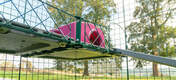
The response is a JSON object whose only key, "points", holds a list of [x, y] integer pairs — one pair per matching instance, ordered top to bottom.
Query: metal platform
{"points": [[17, 38]]}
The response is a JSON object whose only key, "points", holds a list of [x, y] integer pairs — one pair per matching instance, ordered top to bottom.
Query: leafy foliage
{"points": [[97, 11], [150, 32]]}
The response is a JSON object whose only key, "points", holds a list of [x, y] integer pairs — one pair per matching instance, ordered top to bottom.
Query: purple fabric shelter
{"points": [[89, 33]]}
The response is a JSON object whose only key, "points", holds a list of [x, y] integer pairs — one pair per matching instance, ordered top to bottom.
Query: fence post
{"points": [[126, 46], [19, 75]]}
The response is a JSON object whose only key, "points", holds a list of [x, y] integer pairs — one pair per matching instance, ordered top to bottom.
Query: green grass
{"points": [[47, 76]]}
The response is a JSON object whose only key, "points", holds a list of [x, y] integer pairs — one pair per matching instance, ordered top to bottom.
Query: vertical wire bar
{"points": [[18, 6], [10, 11], [25, 11], [85, 26], [70, 29], [78, 30], [109, 39], [126, 46], [13, 67], [63, 67], [97, 67], [127, 67], [27, 68], [57, 68], [106, 68], [116, 68], [33, 69], [43, 69], [48, 69], [92, 69], [112, 69], [65, 70], [75, 70], [134, 70], [81, 71], [121, 71], [54, 72], [161, 72], [147, 73], [38, 74], [140, 74], [169, 74], [19, 75], [4, 76], [154, 77]]}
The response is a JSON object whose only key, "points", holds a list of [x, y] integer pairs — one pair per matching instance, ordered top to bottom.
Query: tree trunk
{"points": [[59, 65], [86, 67], [155, 67]]}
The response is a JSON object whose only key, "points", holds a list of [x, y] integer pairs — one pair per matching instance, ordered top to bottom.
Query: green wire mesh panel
{"points": [[26, 29], [48, 61], [26, 68], [138, 69]]}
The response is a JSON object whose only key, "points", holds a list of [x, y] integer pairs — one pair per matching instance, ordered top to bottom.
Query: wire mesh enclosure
{"points": [[39, 41], [20, 68]]}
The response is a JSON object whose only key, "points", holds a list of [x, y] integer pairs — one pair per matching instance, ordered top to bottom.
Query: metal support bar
{"points": [[78, 30], [140, 55], [19, 74]]}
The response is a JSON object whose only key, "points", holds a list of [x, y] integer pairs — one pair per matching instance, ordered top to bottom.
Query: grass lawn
{"points": [[47, 76]]}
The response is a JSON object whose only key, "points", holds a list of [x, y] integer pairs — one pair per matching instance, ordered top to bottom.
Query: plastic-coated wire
{"points": [[5, 2], [19, 13], [69, 13], [23, 14], [38, 16], [3, 17], [52, 18], [64, 21], [41, 22], [97, 30], [94, 35], [13, 67], [27, 68], [147, 73], [169, 74], [4, 76], [19, 77]]}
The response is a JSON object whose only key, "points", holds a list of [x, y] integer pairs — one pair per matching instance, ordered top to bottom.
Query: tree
{"points": [[97, 11], [150, 33], [26, 64], [59, 65], [86, 68]]}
